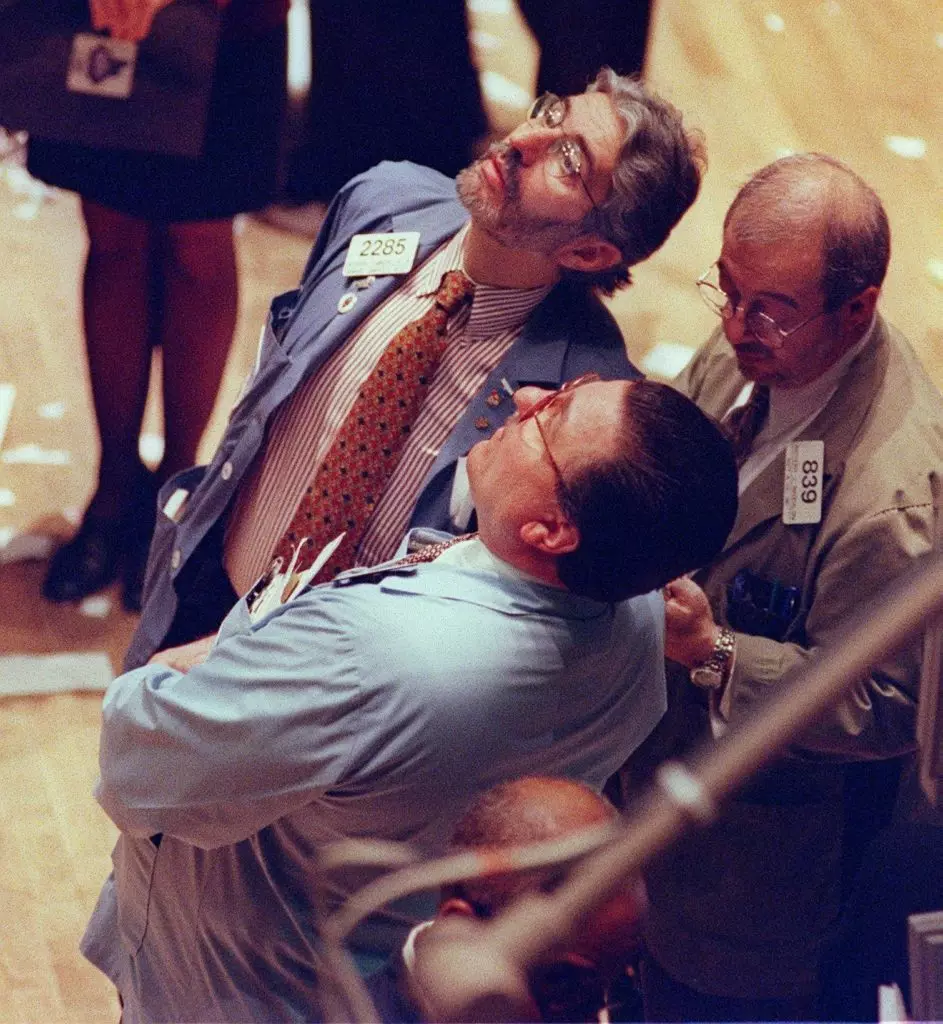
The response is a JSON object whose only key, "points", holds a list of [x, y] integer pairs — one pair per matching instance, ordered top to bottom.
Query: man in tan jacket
{"points": [[838, 428]]}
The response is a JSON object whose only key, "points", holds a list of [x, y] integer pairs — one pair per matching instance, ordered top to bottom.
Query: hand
{"points": [[125, 19], [690, 630], [187, 656]]}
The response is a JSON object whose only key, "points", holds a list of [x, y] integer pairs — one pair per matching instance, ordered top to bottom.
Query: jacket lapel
{"points": [[537, 357], [841, 420], [837, 425], [761, 501]]}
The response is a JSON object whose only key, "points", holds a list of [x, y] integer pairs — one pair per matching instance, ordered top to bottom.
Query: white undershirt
{"points": [[791, 410]]}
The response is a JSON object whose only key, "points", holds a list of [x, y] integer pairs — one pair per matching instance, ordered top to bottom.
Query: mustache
{"points": [[511, 161], [754, 348]]}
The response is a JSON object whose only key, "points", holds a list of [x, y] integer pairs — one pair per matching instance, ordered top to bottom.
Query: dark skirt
{"points": [[238, 170]]}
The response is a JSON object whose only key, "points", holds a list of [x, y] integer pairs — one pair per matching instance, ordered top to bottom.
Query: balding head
{"points": [[813, 196], [804, 253], [532, 809], [529, 810], [571, 984]]}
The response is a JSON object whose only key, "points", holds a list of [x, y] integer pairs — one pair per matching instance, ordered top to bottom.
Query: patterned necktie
{"points": [[744, 423], [356, 469], [430, 552], [426, 553]]}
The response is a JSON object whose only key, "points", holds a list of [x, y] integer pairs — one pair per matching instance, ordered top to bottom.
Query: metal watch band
{"points": [[712, 673]]}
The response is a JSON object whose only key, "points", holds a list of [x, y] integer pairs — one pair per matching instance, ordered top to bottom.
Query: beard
{"points": [[502, 216]]}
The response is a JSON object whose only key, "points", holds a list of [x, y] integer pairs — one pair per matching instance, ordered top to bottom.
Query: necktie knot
{"points": [[455, 289], [430, 552]]}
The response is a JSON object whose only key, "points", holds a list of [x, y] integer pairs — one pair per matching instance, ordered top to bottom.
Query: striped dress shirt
{"points": [[303, 429]]}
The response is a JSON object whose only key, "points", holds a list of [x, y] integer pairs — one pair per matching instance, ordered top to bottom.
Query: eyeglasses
{"points": [[565, 156], [761, 325], [542, 404]]}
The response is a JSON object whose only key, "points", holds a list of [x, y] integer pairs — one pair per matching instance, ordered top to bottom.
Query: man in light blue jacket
{"points": [[378, 704]]}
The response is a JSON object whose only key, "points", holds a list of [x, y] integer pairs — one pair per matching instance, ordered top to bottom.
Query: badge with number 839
{"points": [[802, 482]]}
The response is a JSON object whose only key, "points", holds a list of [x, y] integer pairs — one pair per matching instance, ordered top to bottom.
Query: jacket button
{"points": [[226, 471], [175, 560]]}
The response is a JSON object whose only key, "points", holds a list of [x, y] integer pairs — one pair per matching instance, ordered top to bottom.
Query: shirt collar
{"points": [[494, 310], [788, 407], [472, 554]]}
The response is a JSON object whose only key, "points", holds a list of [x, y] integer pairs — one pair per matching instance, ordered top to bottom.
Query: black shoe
{"points": [[136, 531], [86, 563]]}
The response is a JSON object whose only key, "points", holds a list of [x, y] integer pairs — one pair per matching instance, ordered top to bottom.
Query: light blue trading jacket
{"points": [[568, 334], [366, 708]]}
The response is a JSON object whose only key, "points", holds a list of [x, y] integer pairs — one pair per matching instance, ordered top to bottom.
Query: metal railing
{"points": [[480, 976]]}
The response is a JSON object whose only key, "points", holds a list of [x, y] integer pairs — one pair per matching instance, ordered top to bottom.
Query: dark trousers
{"points": [[573, 49], [901, 874]]}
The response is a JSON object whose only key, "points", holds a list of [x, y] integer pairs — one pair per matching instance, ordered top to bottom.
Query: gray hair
{"points": [[657, 178], [812, 190]]}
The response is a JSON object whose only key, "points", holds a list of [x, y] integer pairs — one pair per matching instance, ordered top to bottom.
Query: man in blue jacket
{"points": [[588, 186], [376, 705]]}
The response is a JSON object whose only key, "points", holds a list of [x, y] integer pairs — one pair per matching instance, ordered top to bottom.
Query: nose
{"points": [[530, 140], [735, 327], [526, 398]]}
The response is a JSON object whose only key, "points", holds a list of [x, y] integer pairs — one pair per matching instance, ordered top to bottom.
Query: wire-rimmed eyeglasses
{"points": [[566, 157], [761, 325], [532, 412]]}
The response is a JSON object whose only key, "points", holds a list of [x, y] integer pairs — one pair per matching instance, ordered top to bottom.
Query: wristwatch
{"points": [[711, 674]]}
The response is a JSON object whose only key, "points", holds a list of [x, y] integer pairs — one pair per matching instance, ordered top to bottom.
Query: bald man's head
{"points": [[817, 198], [527, 810], [571, 984]]}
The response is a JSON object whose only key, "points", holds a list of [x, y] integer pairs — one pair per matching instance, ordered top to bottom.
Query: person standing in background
{"points": [[572, 48], [375, 64], [161, 270]]}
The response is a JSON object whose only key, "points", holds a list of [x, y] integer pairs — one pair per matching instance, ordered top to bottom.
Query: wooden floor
{"points": [[855, 78]]}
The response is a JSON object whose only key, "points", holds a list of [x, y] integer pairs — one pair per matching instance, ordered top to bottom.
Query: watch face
{"points": [[709, 678]]}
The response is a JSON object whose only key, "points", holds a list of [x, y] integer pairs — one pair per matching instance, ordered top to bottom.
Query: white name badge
{"points": [[99, 66], [389, 253], [802, 482], [173, 509]]}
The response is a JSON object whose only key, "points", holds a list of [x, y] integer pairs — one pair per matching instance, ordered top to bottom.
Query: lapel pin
{"points": [[346, 302]]}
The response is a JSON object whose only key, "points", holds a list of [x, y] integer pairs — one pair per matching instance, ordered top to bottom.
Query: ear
{"points": [[587, 253], [859, 311], [553, 536], [455, 906]]}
